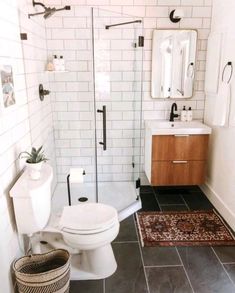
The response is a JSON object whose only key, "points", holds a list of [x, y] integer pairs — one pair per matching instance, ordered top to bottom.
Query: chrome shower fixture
{"points": [[48, 11]]}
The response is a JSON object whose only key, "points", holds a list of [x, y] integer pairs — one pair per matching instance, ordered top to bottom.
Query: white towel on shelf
{"points": [[188, 87], [222, 105]]}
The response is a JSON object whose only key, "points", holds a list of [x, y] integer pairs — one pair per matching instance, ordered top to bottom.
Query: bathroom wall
{"points": [[69, 34], [28, 123], [220, 187]]}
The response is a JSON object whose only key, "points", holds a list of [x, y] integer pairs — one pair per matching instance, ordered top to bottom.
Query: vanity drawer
{"points": [[179, 147], [177, 172]]}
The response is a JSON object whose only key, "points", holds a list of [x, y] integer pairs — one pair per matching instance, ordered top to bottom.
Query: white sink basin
{"points": [[163, 127]]}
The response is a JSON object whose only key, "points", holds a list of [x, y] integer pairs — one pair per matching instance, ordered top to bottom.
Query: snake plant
{"points": [[35, 156]]}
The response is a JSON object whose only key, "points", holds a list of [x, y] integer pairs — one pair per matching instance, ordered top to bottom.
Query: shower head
{"points": [[48, 11]]}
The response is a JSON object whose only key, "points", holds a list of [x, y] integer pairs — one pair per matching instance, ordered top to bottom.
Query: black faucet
{"points": [[173, 115]]}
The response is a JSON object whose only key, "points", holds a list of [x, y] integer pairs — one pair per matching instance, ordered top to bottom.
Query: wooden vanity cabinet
{"points": [[179, 159]]}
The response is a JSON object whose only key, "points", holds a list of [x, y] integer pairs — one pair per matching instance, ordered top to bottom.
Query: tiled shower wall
{"points": [[69, 35], [27, 124]]}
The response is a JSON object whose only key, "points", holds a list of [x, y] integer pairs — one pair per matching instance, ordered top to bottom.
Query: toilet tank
{"points": [[32, 201]]}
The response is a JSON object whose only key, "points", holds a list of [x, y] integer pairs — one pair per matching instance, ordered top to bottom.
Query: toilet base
{"points": [[92, 264]]}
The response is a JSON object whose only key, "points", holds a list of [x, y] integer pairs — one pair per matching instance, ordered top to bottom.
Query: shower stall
{"points": [[97, 109]]}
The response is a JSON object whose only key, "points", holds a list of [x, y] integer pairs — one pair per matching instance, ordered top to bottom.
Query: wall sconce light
{"points": [[176, 15]]}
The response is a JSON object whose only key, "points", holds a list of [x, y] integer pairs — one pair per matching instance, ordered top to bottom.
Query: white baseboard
{"points": [[222, 208]]}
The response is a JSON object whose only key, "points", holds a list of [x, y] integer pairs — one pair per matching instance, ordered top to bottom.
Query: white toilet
{"points": [[86, 230]]}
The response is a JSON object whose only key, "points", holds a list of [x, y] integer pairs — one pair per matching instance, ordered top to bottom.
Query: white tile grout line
{"points": [[157, 199], [184, 201], [174, 204], [141, 256], [164, 266], [223, 266], [185, 270]]}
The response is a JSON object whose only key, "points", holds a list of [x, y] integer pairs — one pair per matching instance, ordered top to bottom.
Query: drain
{"points": [[82, 199], [43, 242]]}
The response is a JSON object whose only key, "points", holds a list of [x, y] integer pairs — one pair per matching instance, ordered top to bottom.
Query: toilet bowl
{"points": [[86, 230]]}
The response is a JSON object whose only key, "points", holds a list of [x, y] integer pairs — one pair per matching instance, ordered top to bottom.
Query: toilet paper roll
{"points": [[76, 175]]}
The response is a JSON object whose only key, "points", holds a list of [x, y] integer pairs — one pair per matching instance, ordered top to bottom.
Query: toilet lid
{"points": [[87, 218]]}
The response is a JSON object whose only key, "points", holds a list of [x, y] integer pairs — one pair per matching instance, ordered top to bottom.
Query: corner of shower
{"points": [[117, 50], [98, 114]]}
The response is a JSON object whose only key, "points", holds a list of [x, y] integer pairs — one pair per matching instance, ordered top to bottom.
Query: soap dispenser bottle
{"points": [[56, 63], [62, 63], [189, 114], [183, 115]]}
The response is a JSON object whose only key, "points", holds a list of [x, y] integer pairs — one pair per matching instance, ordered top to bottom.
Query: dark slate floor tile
{"points": [[146, 189], [166, 190], [169, 198], [197, 201], [149, 202], [180, 207], [127, 231], [225, 253], [160, 256], [230, 268], [205, 271], [129, 277], [168, 280], [95, 286]]}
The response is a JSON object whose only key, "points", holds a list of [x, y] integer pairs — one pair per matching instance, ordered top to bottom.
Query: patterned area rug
{"points": [[197, 228]]}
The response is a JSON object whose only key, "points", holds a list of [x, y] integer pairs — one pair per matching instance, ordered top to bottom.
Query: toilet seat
{"points": [[88, 218]]}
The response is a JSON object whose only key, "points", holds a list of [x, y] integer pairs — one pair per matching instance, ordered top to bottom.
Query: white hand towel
{"points": [[188, 87], [222, 105]]}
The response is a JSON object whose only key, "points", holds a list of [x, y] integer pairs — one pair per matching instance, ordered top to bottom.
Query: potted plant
{"points": [[34, 161]]}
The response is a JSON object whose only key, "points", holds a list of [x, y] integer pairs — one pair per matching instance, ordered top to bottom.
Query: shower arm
{"points": [[33, 14]]}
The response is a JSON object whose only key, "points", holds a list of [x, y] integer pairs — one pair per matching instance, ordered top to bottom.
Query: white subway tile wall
{"points": [[118, 75], [28, 123]]}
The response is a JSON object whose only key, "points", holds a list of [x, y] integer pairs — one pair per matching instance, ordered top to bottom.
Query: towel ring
{"points": [[231, 71], [192, 73]]}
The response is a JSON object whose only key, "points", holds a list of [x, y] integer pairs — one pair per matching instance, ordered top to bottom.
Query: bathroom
{"points": [[112, 67]]}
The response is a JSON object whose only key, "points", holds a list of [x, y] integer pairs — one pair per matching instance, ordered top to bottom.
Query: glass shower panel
{"points": [[117, 50], [73, 109]]}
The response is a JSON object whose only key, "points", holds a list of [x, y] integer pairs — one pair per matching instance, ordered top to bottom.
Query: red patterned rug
{"points": [[196, 228]]}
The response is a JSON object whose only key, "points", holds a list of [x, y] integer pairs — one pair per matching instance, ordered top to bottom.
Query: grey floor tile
{"points": [[146, 189], [169, 198], [197, 201], [149, 202], [172, 207], [127, 231], [225, 253], [160, 256], [205, 271], [231, 271], [129, 277], [168, 280], [95, 286]]}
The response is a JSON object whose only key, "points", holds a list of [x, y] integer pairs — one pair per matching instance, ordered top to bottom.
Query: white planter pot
{"points": [[34, 170]]}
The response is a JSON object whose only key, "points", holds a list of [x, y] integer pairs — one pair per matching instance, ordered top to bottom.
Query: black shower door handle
{"points": [[104, 142]]}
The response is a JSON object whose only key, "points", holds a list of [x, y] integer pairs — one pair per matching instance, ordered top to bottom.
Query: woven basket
{"points": [[43, 273]]}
